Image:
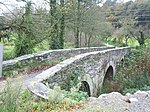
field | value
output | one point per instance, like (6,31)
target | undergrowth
(11,100)
(71,101)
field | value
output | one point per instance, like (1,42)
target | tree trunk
(85,44)
(62,26)
(141,39)
(77,27)
(89,39)
(54,43)
(77,38)
(80,39)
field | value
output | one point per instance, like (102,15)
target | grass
(43,46)
(131,42)
(8,52)
(147,42)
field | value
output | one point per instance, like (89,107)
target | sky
(11,4)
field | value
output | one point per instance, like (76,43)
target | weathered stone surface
(39,89)
(115,102)
(95,64)
(48,55)
(141,94)
(131,100)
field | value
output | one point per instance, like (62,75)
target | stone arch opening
(109,74)
(106,86)
(85,88)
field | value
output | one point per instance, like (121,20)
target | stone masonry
(89,67)
(37,58)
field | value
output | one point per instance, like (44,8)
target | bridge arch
(85,87)
(109,73)
(111,65)
(86,80)
(106,86)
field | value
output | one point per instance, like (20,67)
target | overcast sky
(11,4)
(14,4)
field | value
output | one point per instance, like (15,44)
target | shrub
(133,73)
(75,94)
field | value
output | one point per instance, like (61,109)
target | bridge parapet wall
(89,67)
(37,58)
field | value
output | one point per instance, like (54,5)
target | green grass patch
(8,52)
(132,42)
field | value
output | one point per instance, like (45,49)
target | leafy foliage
(70,102)
(12,100)
(24,41)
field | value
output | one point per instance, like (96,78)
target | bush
(134,72)
(133,90)
(76,95)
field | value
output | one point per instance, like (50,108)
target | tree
(54,43)
(141,18)
(142,24)
(31,31)
(57,27)
(124,33)
(81,15)
(24,42)
(131,20)
(62,24)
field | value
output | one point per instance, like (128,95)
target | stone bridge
(89,69)
(85,66)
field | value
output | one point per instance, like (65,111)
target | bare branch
(8,9)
